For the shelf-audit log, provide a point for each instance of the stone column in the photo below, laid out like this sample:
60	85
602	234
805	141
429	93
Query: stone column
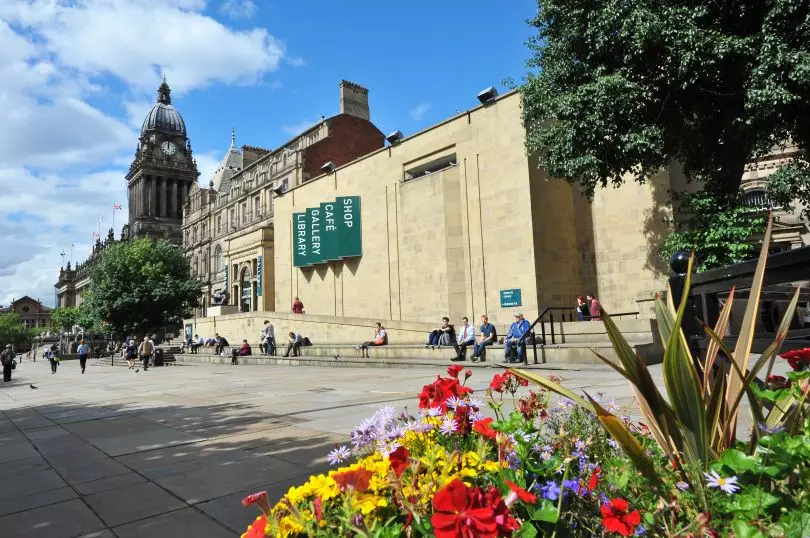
163	193
173	194
153	209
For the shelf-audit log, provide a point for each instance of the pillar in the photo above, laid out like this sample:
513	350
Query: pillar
153	187
173	205
162	190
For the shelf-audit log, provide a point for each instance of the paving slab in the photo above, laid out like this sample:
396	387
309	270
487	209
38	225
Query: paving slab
21	503
76	472
106	484
144	440
13	485
186	522
132	503
60	520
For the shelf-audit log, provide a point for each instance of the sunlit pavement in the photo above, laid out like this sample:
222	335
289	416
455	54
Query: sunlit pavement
171	451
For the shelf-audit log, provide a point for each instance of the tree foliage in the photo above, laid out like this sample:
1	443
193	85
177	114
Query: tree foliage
789	185
628	86
719	228
140	286
12	331
63	318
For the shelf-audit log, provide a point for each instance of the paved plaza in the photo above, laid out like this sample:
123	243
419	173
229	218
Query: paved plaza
172	451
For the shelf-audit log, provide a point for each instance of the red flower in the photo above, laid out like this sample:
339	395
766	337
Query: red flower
318	506
399	460
358	479
460	512
521	493
797	358
453	370
615	517
483	427
594	480
437	393
259	499
498	381
467	374
504	521
256	529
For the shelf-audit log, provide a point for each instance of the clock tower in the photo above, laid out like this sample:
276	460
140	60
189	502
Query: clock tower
162	173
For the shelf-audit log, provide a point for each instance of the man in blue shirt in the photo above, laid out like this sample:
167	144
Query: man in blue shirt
516	332
83	351
488	337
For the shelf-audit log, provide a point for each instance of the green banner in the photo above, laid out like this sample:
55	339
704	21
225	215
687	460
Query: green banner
349	224
301	254
329	235
314	229
259	277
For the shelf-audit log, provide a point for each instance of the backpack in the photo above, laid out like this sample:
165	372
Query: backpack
305	341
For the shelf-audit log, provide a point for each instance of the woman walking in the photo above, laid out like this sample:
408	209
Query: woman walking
53	357
130	353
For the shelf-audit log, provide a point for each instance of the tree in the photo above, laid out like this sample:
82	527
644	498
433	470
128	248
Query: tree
625	87
12	331
63	318
140	286
717	227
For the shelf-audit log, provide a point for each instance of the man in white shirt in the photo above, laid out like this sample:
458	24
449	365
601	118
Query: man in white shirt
268	338
83	350
465	337
294	341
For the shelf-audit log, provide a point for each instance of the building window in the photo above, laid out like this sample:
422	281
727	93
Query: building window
758	199
196	266
246	291
202	231
232	218
219	224
218	265
431	167
257	205
243	211
194	235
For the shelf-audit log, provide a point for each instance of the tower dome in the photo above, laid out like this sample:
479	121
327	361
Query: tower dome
163	116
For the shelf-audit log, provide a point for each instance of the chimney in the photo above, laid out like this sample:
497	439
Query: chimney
354	100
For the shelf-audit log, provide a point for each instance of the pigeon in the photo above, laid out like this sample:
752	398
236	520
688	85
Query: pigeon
138	370
32	386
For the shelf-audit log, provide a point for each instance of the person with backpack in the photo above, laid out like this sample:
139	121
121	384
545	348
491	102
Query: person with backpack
130	354
7	358
53	357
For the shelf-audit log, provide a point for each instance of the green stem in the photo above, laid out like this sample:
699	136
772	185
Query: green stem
559	501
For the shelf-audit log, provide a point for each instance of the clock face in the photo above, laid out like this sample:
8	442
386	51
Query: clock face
168	148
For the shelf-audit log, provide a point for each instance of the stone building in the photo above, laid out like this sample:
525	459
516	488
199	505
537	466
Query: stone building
32	313
228	229
159	179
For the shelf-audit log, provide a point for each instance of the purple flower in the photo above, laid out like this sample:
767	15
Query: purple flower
434	412
574	486
612	443
475	402
765	429
546	455
580	445
550	491
714	480
452	402
683	486
448	426
339	455
641	531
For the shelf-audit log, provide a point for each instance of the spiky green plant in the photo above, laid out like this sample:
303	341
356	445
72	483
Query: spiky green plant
698	420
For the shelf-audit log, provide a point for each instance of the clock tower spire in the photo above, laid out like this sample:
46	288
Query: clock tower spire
162	173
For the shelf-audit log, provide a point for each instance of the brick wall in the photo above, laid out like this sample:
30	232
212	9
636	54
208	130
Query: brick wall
349	138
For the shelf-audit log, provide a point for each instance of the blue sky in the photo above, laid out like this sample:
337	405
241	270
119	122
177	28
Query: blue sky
78	76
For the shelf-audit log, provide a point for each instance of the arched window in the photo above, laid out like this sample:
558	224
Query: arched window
757	198
218	262
194	235
196	266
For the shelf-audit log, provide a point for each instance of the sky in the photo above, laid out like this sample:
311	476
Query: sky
77	78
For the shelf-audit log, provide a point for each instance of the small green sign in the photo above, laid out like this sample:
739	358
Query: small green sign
510	298
314	229
329	232
301	255
350	228
259	271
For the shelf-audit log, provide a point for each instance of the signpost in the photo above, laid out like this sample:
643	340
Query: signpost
259	276
300	240
350	228
510	298
314	235
331	231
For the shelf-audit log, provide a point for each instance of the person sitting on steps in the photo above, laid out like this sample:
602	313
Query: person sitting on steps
221	344
243	351
512	341
488	337
466	337
294	342
442	336
380	339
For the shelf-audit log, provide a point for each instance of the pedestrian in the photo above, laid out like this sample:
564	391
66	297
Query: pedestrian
583	311
594	307
130	354
53	357
269	338
83	350
7	358
145	350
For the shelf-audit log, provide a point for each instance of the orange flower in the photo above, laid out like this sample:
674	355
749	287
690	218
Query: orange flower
358	479
256	529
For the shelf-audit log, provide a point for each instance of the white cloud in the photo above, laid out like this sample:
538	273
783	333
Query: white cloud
299	127
296	61
207	164
238	9
58	57
419	111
